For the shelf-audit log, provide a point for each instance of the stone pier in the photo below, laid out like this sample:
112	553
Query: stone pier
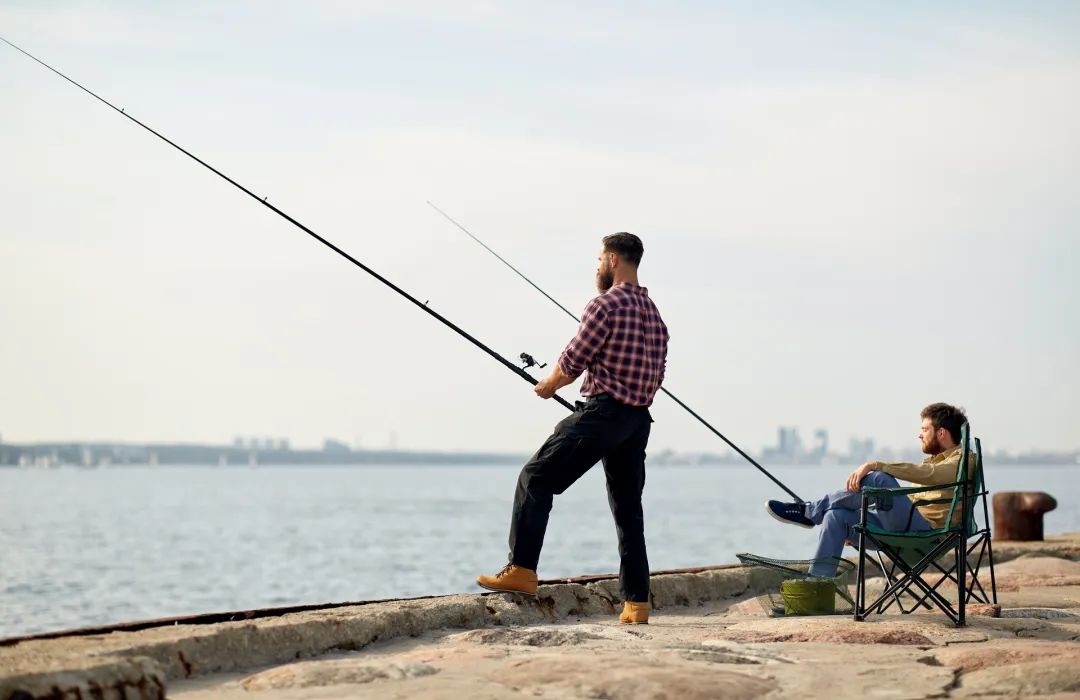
708	638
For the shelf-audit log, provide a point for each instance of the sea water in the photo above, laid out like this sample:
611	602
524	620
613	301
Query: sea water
81	547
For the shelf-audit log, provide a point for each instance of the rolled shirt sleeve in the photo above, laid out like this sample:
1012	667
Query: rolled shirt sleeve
591	336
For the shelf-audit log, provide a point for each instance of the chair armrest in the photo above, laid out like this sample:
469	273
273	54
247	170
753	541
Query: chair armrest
873	491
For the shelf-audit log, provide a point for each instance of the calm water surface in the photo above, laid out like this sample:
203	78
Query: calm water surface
84	547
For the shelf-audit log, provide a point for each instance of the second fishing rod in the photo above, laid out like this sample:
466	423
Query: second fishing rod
667	393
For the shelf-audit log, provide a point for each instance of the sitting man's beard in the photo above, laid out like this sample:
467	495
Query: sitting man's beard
604	280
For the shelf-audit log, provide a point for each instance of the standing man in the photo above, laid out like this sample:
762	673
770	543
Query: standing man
622	343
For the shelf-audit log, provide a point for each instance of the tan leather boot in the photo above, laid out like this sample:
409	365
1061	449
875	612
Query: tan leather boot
512	579
634	614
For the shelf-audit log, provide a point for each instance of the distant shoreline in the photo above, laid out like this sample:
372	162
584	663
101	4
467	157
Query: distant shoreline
166	454
99	454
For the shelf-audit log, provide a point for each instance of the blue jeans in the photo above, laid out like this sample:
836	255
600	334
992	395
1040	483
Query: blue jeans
839	512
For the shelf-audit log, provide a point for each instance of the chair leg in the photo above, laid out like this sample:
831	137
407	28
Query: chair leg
930	593
912	579
976	590
860	588
860	583
890	578
961	579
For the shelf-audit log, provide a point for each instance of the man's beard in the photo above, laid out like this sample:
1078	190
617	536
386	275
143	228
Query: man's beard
604	280
933	447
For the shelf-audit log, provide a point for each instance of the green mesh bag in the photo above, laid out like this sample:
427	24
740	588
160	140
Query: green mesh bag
789	589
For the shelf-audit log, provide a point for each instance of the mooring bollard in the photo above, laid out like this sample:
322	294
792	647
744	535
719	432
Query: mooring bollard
1018	515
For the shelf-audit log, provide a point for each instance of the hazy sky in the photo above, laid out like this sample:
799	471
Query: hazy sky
848	212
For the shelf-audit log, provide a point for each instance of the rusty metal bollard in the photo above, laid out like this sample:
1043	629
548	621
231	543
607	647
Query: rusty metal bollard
1018	515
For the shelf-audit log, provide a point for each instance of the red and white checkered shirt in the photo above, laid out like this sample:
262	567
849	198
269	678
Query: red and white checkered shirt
622	342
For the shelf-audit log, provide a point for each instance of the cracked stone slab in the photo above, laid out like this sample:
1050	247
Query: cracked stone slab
726	652
1041	614
921	631
968	659
871	671
638	677
684	655
138	677
1021	680
742	653
1041	597
317	674
1064	546
1036	628
1035	565
542	637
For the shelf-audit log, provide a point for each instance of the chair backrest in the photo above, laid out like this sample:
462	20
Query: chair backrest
965	499
979	492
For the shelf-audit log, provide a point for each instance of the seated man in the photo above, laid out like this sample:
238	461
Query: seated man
837	513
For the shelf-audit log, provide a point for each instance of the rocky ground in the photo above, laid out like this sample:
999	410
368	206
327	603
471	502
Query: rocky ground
709	638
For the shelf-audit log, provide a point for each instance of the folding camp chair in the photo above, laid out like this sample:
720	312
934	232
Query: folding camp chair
905	557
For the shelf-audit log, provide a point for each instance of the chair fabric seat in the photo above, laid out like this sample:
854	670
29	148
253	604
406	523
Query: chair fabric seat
901	537
937	532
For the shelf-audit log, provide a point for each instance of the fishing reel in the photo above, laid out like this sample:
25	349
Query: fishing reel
528	361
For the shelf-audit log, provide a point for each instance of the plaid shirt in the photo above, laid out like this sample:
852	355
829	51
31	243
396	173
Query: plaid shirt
622	341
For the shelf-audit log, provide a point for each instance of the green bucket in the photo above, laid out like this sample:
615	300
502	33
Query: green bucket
809	596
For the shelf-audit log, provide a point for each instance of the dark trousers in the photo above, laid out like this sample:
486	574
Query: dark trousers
600	429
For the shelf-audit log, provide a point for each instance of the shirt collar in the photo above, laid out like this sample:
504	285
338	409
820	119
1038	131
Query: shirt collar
942	456
635	288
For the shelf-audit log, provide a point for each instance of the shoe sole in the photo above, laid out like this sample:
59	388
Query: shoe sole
631	622
785	520
509	590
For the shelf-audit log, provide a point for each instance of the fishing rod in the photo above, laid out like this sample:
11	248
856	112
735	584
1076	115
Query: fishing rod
526	359
670	395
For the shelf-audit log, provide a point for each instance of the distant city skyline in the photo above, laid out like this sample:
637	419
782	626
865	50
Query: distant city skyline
788	449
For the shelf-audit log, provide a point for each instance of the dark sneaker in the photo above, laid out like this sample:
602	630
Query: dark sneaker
791	513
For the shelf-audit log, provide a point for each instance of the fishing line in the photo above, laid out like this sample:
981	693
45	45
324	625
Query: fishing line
670	395
262	200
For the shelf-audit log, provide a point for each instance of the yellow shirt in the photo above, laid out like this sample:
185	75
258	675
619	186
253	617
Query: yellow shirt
934	470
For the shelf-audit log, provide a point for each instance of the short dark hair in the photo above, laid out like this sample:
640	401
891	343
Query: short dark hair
627	245
942	415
